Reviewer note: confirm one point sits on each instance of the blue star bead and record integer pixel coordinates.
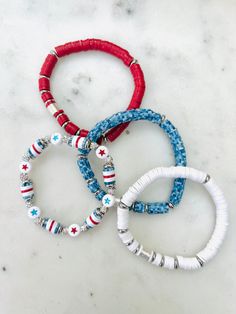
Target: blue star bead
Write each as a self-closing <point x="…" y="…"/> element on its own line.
<point x="34" y="212"/>
<point x="107" y="201"/>
<point x="55" y="137"/>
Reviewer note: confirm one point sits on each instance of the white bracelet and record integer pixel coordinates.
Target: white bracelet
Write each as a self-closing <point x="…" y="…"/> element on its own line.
<point x="187" y="263"/>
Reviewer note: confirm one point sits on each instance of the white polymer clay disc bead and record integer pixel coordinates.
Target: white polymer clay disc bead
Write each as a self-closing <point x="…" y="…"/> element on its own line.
<point x="158" y="259"/>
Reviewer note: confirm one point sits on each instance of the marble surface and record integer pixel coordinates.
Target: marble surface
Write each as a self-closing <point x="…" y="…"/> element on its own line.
<point x="187" y="52"/>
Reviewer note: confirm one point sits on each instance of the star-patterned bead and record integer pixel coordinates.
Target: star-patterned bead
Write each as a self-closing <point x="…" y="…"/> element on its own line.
<point x="102" y="152"/>
<point x="56" y="139"/>
<point x="74" y="230"/>
<point x="108" y="200"/>
<point x="25" y="167"/>
<point x="34" y="212"/>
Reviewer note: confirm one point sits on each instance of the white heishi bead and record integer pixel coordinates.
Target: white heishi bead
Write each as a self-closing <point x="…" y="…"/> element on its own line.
<point x="102" y="152"/>
<point x="34" y="212"/>
<point x="74" y="230"/>
<point x="56" y="139"/>
<point x="108" y="200"/>
<point x="77" y="141"/>
<point x="25" y="167"/>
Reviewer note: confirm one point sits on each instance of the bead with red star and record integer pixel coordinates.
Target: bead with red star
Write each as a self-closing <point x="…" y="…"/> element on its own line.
<point x="102" y="152"/>
<point x="74" y="230"/>
<point x="25" y="167"/>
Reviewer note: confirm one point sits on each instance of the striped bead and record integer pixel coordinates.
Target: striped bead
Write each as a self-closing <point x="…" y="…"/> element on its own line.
<point x="76" y="141"/>
<point x="109" y="175"/>
<point x="93" y="220"/>
<point x="27" y="190"/>
<point x="52" y="226"/>
<point x="36" y="149"/>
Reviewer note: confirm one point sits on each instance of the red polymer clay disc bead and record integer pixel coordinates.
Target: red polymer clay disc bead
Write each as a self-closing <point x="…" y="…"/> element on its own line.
<point x="85" y="45"/>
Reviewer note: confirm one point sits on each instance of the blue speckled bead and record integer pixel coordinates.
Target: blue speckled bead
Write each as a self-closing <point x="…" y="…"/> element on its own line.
<point x="176" y="142"/>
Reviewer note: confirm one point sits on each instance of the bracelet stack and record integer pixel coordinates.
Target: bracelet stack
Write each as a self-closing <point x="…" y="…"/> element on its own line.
<point x="83" y="142"/>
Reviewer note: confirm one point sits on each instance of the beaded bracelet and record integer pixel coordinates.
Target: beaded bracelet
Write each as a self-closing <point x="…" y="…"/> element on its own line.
<point x="125" y="117"/>
<point x="84" y="45"/>
<point x="27" y="190"/>
<point x="187" y="263"/>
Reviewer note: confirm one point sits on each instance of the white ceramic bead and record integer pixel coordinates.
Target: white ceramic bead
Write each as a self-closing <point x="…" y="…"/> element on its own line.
<point x="102" y="152"/>
<point x="74" y="230"/>
<point x="34" y="212"/>
<point x="56" y="139"/>
<point x="108" y="200"/>
<point x="77" y="141"/>
<point x="25" y="167"/>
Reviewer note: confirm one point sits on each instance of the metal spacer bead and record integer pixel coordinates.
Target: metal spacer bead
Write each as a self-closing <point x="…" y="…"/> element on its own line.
<point x="93" y="145"/>
<point x="152" y="257"/>
<point x="176" y="263"/>
<point x="145" y="255"/>
<point x="43" y="76"/>
<point x="134" y="61"/>
<point x="65" y="124"/>
<point x="162" y="262"/>
<point x="89" y="180"/>
<point x="82" y="156"/>
<point x="52" y="100"/>
<point x="146" y="207"/>
<point x="53" y="52"/>
<point x="200" y="261"/>
<point x="206" y="179"/>
<point x="122" y="205"/>
<point x="137" y="249"/>
<point x="163" y="117"/>
<point x="130" y="242"/>
<point x="121" y="231"/>
<point x="170" y="205"/>
<point x="44" y="91"/>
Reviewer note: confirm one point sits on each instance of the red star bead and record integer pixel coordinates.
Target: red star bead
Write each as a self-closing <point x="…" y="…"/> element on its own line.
<point x="24" y="167"/>
<point x="73" y="230"/>
<point x="102" y="152"/>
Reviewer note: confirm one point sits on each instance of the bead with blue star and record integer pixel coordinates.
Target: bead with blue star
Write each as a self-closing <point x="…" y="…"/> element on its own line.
<point x="108" y="200"/>
<point x="56" y="139"/>
<point x="34" y="212"/>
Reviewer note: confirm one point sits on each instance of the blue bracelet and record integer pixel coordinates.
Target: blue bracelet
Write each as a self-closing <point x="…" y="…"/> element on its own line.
<point x="135" y="115"/>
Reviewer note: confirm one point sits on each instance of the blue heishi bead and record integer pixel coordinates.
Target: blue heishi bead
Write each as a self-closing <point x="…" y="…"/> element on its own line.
<point x="100" y="195"/>
<point x="138" y="207"/>
<point x="85" y="168"/>
<point x="93" y="186"/>
<point x="157" y="208"/>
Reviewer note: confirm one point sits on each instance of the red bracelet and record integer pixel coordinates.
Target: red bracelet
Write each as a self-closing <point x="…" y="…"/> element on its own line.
<point x="84" y="45"/>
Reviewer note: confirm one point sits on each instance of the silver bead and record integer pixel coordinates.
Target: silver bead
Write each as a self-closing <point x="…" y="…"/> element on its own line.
<point x="152" y="257"/>
<point x="134" y="61"/>
<point x="162" y="262"/>
<point x="170" y="205"/>
<point x="130" y="242"/>
<point x="145" y="255"/>
<point x="121" y="231"/>
<point x="123" y="205"/>
<point x="206" y="179"/>
<point x="200" y="261"/>
<point x="54" y="53"/>
<point x="176" y="263"/>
